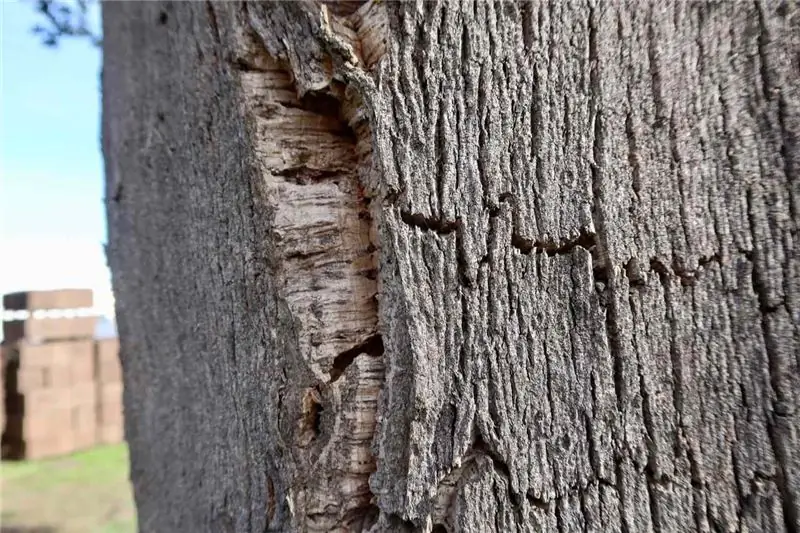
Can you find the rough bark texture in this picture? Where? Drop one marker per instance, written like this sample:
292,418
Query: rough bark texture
442,267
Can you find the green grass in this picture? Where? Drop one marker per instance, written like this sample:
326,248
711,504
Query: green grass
87,492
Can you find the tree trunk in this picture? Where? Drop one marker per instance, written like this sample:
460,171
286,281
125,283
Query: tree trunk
441,267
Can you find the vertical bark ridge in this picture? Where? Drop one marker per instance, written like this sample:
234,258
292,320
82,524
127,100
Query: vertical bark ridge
620,363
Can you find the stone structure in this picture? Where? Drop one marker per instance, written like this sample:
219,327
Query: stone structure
62,388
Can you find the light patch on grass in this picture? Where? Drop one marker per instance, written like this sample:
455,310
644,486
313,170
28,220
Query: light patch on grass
87,492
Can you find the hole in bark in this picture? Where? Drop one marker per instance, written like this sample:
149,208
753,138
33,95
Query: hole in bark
162,18
600,273
316,417
372,346
311,421
321,104
439,528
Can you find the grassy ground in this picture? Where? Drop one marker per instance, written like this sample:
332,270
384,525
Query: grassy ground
87,492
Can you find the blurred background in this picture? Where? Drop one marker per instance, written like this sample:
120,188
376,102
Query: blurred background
64,460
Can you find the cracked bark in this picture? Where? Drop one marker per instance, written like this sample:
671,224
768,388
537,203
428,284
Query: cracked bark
438,267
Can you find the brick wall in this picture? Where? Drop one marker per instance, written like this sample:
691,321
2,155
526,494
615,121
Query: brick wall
109,392
62,388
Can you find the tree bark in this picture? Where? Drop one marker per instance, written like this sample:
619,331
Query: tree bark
441,267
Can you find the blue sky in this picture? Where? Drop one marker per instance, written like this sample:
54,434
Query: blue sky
52,221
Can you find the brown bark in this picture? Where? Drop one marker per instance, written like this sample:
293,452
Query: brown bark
444,267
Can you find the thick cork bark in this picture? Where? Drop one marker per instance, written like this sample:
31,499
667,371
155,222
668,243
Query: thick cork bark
457,267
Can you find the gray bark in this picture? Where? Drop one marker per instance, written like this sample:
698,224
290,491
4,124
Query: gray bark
441,267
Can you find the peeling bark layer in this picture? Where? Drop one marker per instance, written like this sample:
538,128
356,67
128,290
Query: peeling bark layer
438,267
286,200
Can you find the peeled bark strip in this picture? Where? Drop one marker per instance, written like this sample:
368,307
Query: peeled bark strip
457,267
285,197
